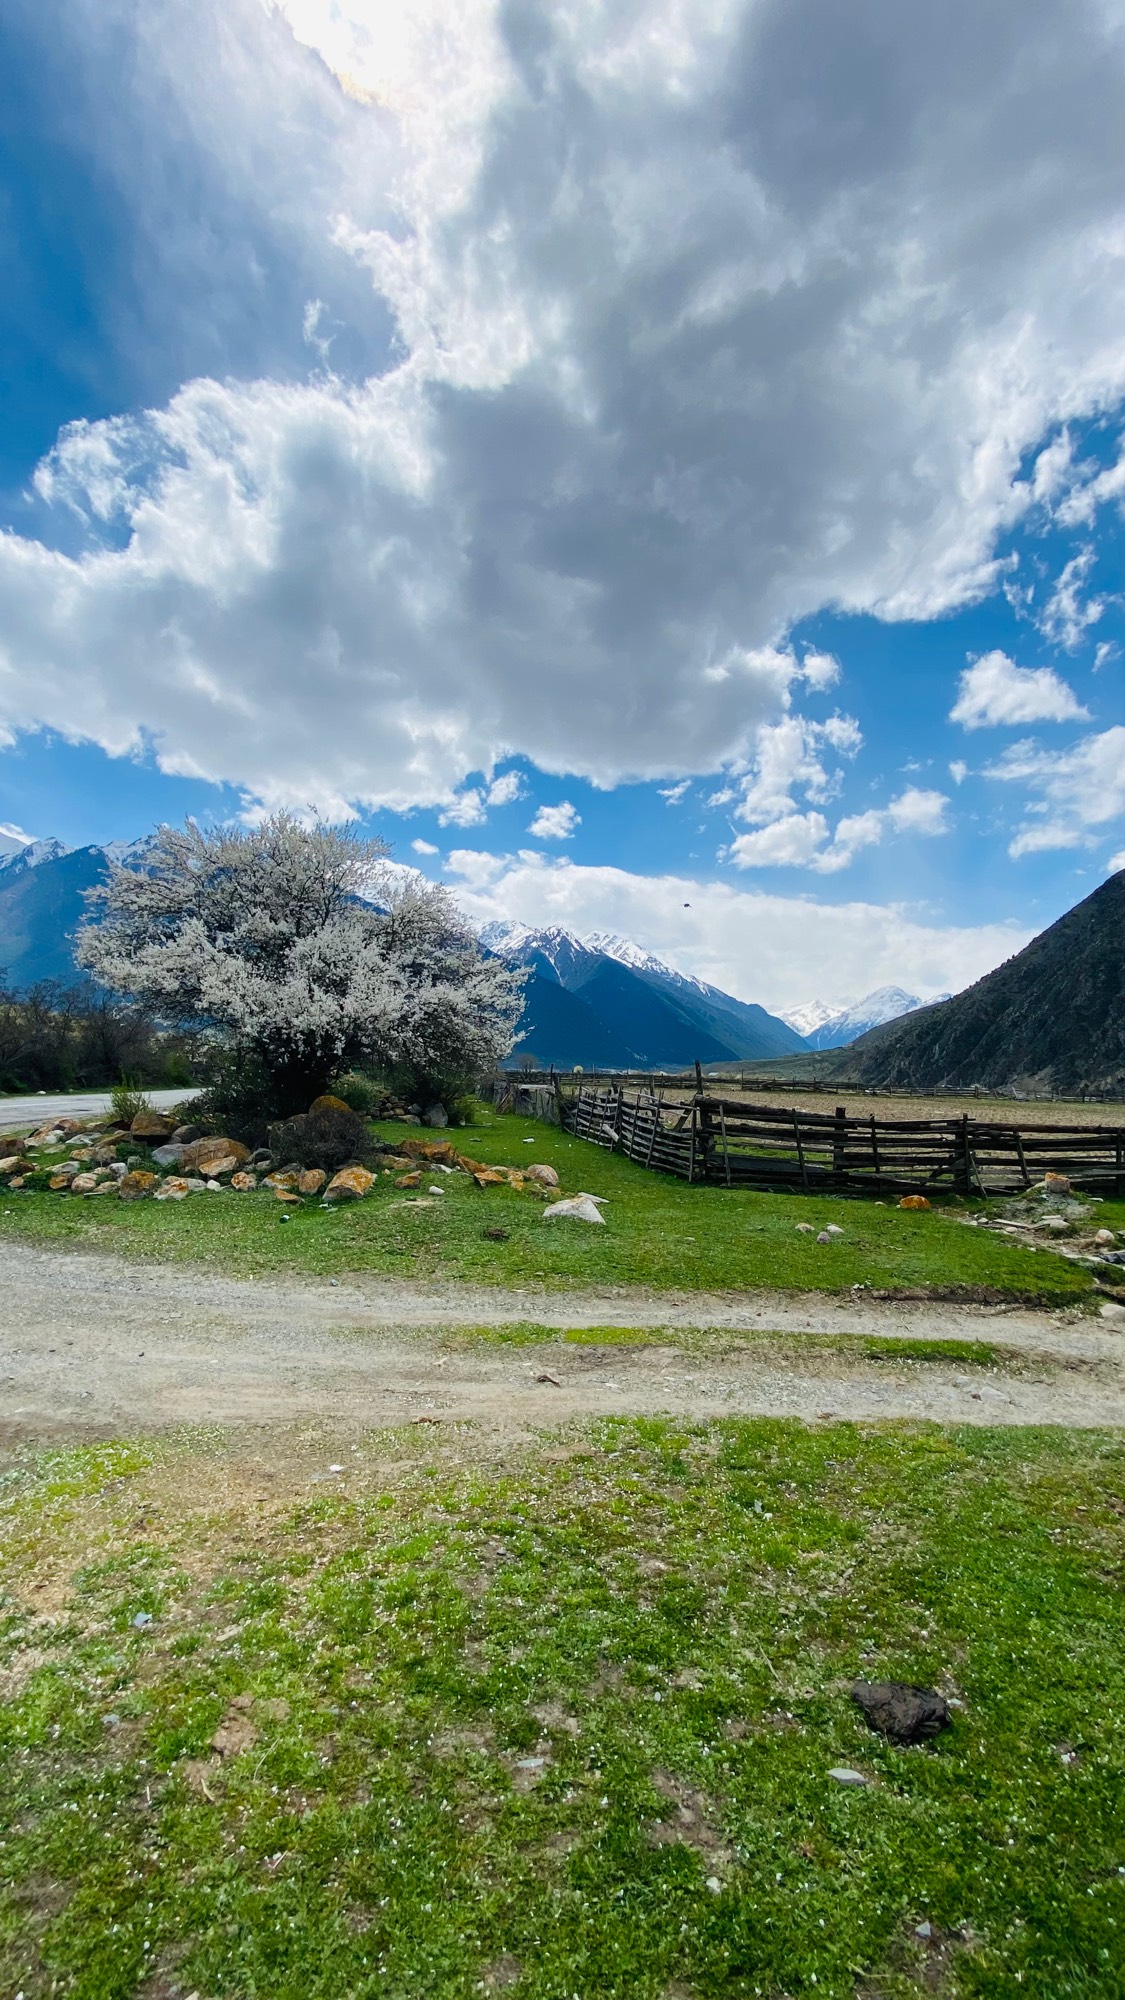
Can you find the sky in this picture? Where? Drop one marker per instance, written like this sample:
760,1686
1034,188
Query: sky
658,464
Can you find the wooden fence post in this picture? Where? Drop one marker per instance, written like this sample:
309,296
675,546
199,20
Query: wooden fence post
839,1140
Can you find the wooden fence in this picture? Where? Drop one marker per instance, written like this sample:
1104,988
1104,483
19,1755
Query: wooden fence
727,1142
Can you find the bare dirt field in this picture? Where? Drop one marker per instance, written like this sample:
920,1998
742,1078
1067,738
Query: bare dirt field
98,1346
867,1104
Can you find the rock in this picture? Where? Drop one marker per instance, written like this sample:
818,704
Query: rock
433,1189
47,1135
409,1180
311,1181
83,1183
245,1183
173,1189
844,1776
136,1186
66,1170
914,1201
495,1235
118,1171
287,1195
832,1229
902,1713
546,1176
59,1181
579,1208
1110,1310
17,1181
430,1149
108,1186
283,1177
1056,1184
824,1237
185,1134
1100,1235
805,1229
923,1931
170,1155
1057,1224
151,1126
262,1159
10,1164
215,1157
350,1184
436,1115
327,1103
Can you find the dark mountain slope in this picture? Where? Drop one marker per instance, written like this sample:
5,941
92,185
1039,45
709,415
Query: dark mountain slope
1053,1016
747,1029
41,907
665,1026
558,1027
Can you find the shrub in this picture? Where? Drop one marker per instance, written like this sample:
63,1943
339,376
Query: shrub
127,1102
327,1138
362,1093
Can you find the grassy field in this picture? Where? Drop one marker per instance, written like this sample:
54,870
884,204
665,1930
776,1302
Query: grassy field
564,1728
659,1232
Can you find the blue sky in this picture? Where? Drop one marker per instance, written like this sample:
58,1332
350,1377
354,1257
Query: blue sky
660,466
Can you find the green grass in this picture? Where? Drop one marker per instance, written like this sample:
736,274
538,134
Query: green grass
508,1724
659,1232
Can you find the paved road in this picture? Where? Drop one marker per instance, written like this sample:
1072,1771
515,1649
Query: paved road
18,1111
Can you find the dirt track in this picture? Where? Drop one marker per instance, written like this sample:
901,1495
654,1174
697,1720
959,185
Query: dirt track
94,1345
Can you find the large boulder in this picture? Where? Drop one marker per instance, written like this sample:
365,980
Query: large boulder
152,1127
350,1184
214,1158
312,1180
175,1188
327,1103
244,1183
170,1155
546,1176
435,1114
579,1208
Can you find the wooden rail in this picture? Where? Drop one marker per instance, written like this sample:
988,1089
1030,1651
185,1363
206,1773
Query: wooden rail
727,1142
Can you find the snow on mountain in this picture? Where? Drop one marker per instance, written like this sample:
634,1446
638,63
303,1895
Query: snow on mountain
628,953
31,853
828,1027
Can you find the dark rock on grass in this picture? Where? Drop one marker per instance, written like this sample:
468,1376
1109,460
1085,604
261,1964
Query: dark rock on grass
495,1235
901,1713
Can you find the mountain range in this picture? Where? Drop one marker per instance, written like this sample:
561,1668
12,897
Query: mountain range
605,1003
601,1001
823,1026
1050,1019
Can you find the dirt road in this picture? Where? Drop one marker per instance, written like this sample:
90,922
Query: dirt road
94,1345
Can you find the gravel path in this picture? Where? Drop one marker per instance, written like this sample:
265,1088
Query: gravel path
95,1345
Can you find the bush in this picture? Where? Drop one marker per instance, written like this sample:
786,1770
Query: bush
328,1138
362,1093
467,1111
127,1102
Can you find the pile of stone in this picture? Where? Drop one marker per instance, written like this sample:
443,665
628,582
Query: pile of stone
181,1161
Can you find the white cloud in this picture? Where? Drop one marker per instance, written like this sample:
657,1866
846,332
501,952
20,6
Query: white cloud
672,794
787,759
506,790
467,809
801,840
423,847
1115,862
994,691
773,949
792,842
958,771
821,670
1067,616
474,868
1080,507
1072,792
916,811
555,822
644,414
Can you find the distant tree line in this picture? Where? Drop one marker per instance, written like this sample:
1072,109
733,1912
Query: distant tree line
56,1037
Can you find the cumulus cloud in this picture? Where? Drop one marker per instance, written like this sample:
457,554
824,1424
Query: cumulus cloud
555,822
423,847
994,691
707,317
1072,792
1067,614
801,840
773,949
506,790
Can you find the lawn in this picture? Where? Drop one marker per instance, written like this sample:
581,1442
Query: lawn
659,1232
435,1727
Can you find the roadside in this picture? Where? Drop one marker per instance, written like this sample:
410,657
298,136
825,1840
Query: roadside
101,1346
19,1112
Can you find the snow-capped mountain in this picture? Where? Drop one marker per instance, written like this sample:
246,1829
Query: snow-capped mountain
604,1001
826,1027
30,853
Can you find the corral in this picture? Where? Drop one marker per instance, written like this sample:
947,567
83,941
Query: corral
731,1142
